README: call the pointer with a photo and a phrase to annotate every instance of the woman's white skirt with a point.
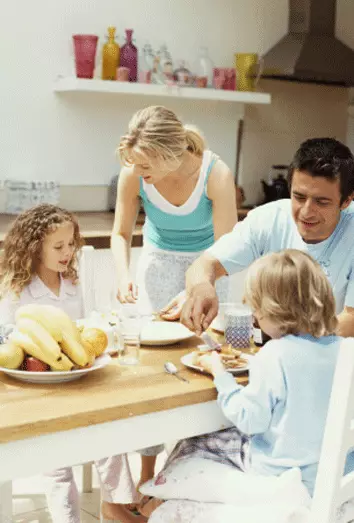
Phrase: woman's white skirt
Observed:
(161, 276)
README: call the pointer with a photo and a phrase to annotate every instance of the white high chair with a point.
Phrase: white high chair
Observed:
(332, 488)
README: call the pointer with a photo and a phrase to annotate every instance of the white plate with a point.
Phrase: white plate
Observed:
(188, 358)
(164, 333)
(56, 377)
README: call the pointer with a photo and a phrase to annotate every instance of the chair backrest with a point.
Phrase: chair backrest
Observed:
(87, 278)
(98, 279)
(332, 488)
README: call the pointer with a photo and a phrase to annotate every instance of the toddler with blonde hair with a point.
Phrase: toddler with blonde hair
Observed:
(279, 417)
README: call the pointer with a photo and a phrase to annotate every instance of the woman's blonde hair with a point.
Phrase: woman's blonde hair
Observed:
(156, 131)
(290, 289)
(22, 247)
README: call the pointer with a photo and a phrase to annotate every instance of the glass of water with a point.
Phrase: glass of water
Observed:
(129, 331)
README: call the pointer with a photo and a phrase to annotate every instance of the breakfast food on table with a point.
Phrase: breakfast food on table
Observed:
(230, 357)
(45, 339)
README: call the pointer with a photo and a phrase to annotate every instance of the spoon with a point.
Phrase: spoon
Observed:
(172, 369)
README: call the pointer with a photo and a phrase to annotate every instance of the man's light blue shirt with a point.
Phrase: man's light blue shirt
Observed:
(271, 228)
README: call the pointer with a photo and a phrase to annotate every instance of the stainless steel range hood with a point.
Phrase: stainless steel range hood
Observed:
(310, 52)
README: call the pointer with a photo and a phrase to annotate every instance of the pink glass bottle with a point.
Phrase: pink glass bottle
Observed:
(129, 56)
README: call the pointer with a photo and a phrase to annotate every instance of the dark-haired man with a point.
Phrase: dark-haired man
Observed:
(318, 219)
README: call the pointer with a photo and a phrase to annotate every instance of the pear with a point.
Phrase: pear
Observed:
(11, 356)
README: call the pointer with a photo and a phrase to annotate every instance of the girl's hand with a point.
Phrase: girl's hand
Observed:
(212, 363)
(173, 310)
(128, 293)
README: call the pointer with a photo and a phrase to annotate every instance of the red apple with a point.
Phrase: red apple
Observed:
(35, 365)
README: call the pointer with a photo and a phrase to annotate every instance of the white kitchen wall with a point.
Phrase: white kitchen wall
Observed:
(72, 138)
(273, 133)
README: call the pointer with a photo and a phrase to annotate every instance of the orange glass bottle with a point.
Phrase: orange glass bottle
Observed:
(110, 56)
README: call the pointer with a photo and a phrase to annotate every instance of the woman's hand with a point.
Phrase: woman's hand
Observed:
(127, 292)
(172, 311)
(212, 363)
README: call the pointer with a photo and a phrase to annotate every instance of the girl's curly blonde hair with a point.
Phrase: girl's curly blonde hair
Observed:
(290, 289)
(156, 131)
(23, 243)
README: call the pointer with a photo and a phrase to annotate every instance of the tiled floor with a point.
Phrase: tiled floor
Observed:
(29, 503)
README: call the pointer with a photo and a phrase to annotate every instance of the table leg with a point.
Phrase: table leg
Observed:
(6, 502)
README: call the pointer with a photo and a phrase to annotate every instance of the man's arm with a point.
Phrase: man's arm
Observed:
(346, 322)
(231, 253)
(201, 306)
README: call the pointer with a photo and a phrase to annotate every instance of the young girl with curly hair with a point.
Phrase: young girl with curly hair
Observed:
(39, 265)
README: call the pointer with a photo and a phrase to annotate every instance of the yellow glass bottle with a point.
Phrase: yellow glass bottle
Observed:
(110, 56)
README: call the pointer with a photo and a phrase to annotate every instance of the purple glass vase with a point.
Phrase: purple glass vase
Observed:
(129, 56)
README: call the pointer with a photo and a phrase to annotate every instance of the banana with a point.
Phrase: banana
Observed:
(25, 342)
(49, 351)
(60, 318)
(72, 348)
(90, 355)
(63, 365)
(43, 315)
(11, 356)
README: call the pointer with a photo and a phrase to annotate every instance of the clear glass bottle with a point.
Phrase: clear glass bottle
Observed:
(110, 56)
(165, 60)
(182, 74)
(149, 56)
(146, 63)
(129, 56)
(204, 66)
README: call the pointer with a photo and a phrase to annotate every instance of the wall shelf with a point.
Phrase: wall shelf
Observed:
(72, 84)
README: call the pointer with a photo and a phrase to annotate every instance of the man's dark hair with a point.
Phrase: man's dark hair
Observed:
(325, 157)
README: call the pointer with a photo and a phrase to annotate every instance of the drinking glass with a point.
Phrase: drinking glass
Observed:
(85, 47)
(238, 326)
(129, 332)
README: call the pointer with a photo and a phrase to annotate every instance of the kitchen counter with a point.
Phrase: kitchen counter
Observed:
(96, 227)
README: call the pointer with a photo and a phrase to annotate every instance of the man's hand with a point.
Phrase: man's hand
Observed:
(200, 308)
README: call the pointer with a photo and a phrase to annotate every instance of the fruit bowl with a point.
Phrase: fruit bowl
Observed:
(56, 377)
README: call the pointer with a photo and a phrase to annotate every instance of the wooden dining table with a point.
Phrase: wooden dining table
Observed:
(113, 410)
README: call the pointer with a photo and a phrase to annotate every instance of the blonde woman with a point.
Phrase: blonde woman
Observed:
(188, 195)
(189, 199)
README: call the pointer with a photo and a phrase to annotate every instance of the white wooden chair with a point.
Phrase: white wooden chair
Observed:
(332, 488)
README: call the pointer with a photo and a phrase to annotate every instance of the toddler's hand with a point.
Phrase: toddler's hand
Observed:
(211, 362)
